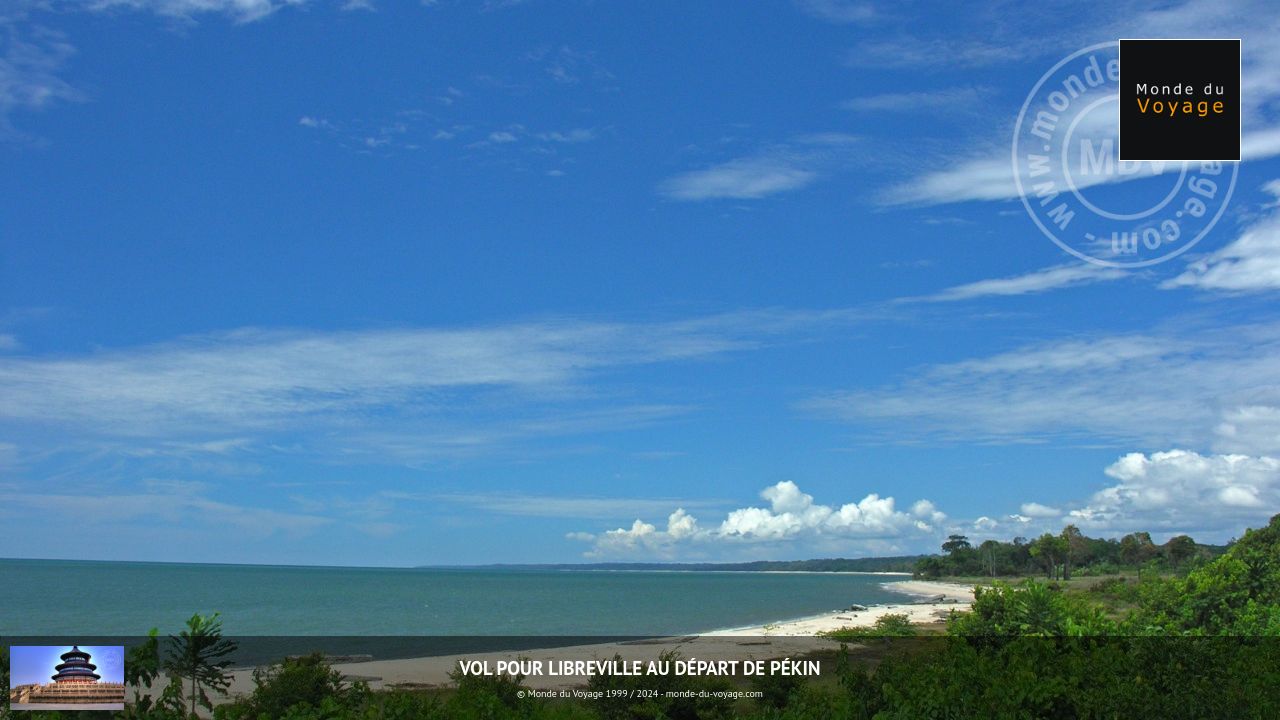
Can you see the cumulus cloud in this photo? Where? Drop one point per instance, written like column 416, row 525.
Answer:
column 1036, row 510
column 1184, row 491
column 984, row 524
column 791, row 514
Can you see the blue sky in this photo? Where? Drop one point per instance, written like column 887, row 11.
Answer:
column 459, row 282
column 34, row 664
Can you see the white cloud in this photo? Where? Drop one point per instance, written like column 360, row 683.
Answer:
column 30, row 59
column 952, row 52
column 778, row 169
column 949, row 99
column 319, row 123
column 415, row 393
column 791, row 514
column 502, row 136
column 1201, row 386
column 744, row 178
column 1050, row 278
column 238, row 10
column 1178, row 491
column 838, row 11
column 576, row 135
column 1184, row 491
column 566, row 66
column 171, row 502
column 1036, row 510
column 1249, row 263
column 560, row 506
column 988, row 175
column 1272, row 187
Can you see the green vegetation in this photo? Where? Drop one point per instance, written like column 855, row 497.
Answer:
column 197, row 655
column 903, row 563
column 1060, row 556
column 886, row 626
column 1204, row 644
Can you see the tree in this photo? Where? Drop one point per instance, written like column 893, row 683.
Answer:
column 296, row 683
column 141, row 668
column 1180, row 548
column 198, row 655
column 1136, row 548
column 956, row 544
column 929, row 567
column 988, row 550
column 1074, row 546
column 1048, row 549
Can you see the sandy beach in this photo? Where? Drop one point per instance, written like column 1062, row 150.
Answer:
column 947, row 597
column 934, row 602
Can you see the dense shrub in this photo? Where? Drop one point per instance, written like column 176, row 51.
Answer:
column 890, row 625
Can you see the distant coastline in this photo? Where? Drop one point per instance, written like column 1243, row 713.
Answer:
column 897, row 564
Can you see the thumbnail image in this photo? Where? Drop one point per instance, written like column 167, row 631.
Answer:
column 52, row 677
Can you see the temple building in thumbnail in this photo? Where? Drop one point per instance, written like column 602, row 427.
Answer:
column 74, row 683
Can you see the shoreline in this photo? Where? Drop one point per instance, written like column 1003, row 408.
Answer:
column 793, row 637
column 743, row 572
column 953, row 596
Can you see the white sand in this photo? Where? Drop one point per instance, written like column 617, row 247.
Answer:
column 772, row 640
column 956, row 597
column 925, row 588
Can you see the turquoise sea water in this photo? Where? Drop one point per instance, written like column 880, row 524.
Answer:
column 39, row 597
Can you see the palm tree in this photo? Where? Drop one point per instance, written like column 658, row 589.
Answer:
column 197, row 655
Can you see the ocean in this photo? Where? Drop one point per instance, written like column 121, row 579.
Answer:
column 55, row 597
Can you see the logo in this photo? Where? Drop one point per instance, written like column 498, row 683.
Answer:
column 1180, row 99
column 1107, row 211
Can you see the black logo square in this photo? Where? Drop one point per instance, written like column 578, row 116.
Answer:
column 1179, row 100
